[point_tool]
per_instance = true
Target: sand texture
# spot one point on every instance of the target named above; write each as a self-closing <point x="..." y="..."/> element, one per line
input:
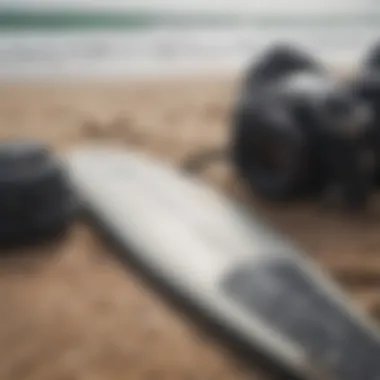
<point x="71" y="312"/>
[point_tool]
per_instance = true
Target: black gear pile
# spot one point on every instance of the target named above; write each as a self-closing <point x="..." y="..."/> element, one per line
<point x="298" y="131"/>
<point x="36" y="203"/>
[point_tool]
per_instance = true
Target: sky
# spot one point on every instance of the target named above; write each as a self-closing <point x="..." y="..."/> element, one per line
<point x="281" y="6"/>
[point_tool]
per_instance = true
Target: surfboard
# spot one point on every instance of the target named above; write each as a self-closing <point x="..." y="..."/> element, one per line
<point x="229" y="265"/>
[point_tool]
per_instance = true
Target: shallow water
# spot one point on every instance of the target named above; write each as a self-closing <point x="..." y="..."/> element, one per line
<point x="167" y="38"/>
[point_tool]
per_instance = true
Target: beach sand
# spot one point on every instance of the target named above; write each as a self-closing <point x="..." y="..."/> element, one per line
<point x="69" y="311"/>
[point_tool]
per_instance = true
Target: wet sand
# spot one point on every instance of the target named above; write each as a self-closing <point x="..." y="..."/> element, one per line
<point x="69" y="311"/>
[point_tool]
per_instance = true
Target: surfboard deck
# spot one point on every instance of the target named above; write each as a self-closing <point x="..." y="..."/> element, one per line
<point x="227" y="264"/>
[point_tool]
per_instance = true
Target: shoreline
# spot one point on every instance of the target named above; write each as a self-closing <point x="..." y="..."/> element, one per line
<point x="143" y="70"/>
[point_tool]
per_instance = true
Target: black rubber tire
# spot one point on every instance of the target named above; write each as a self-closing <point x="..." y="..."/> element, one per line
<point x="36" y="201"/>
<point x="253" y="130"/>
<point x="277" y="62"/>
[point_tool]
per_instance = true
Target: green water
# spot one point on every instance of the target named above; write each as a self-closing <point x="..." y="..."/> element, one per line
<point x="133" y="20"/>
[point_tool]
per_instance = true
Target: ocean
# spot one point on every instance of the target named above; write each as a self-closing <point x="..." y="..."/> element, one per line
<point x="100" y="40"/>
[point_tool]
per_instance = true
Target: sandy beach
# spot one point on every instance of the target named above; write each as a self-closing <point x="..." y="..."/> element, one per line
<point x="71" y="312"/>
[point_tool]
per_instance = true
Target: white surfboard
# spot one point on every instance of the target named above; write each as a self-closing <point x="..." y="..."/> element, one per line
<point x="228" y="265"/>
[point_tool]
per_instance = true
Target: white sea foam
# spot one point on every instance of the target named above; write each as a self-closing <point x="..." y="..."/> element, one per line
<point x="161" y="51"/>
